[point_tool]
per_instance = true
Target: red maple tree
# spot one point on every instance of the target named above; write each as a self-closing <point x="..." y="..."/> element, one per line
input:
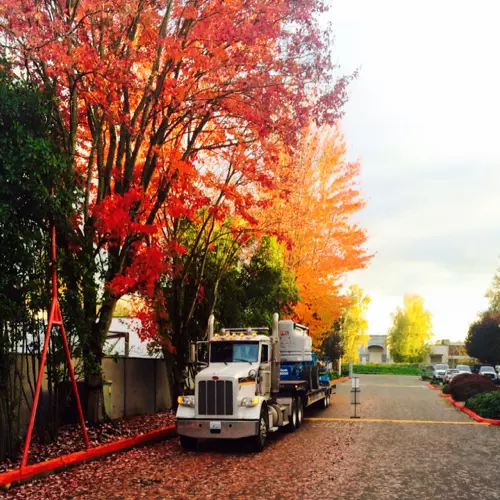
<point x="154" y="100"/>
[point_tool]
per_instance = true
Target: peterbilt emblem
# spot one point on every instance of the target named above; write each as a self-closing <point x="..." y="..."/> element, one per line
<point x="215" y="377"/>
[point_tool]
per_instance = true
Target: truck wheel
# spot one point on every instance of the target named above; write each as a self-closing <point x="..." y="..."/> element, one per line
<point x="325" y="402"/>
<point x="188" y="443"/>
<point x="259" y="441"/>
<point x="300" y="412"/>
<point x="293" y="418"/>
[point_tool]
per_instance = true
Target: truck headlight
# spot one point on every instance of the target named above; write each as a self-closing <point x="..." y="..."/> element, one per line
<point x="249" y="402"/>
<point x="186" y="401"/>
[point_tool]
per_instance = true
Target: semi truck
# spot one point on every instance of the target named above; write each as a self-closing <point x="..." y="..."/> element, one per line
<point x="255" y="382"/>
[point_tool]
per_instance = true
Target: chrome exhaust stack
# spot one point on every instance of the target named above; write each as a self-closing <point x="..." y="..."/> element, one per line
<point x="275" y="359"/>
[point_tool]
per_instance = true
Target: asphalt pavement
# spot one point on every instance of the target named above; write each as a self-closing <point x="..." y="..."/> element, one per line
<point x="408" y="444"/>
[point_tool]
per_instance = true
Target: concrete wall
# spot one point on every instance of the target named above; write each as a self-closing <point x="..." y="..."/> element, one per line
<point x="138" y="386"/>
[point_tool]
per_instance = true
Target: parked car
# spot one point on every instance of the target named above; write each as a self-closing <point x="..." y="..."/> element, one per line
<point x="477" y="367"/>
<point x="488" y="371"/>
<point x="464" y="369"/>
<point x="450" y="373"/>
<point x="436" y="372"/>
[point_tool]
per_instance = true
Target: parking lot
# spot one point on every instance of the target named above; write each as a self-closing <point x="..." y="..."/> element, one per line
<point x="409" y="444"/>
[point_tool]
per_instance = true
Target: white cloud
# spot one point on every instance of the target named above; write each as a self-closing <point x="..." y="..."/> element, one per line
<point x="423" y="118"/>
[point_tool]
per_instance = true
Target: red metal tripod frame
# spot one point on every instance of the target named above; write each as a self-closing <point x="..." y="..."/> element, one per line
<point x="55" y="319"/>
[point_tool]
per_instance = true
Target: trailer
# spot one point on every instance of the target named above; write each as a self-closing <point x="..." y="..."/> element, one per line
<point x="256" y="381"/>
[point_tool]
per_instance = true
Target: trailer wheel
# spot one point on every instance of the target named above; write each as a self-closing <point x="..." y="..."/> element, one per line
<point x="293" y="418"/>
<point x="188" y="443"/>
<point x="325" y="402"/>
<point x="300" y="412"/>
<point x="259" y="441"/>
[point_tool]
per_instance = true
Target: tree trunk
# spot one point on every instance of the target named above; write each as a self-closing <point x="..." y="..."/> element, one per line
<point x="93" y="362"/>
<point x="174" y="375"/>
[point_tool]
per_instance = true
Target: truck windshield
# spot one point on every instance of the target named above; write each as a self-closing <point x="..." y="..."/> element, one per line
<point x="233" y="352"/>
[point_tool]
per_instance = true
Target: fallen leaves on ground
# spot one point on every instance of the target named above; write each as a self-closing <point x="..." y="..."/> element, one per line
<point x="70" y="438"/>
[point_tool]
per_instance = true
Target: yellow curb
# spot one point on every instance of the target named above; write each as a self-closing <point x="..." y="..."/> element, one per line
<point x="395" y="385"/>
<point x="392" y="421"/>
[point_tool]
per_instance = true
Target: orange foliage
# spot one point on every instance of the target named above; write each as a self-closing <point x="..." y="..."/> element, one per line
<point x="317" y="218"/>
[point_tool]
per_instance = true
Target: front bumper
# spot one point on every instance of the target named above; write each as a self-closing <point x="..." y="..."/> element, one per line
<point x="230" y="429"/>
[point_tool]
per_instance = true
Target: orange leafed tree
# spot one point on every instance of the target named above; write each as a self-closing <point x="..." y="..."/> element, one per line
<point x="154" y="102"/>
<point x="317" y="218"/>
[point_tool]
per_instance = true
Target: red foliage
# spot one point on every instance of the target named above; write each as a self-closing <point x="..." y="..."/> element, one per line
<point x="168" y="107"/>
<point x="464" y="386"/>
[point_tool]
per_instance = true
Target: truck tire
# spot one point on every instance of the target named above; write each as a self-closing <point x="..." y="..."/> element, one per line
<point x="293" y="418"/>
<point x="258" y="442"/>
<point x="325" y="402"/>
<point x="188" y="443"/>
<point x="300" y="412"/>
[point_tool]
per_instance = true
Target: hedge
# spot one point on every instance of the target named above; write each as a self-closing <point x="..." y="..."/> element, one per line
<point x="486" y="404"/>
<point x="466" y="386"/>
<point x="383" y="369"/>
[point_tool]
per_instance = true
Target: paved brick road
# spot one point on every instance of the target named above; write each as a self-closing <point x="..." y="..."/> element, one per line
<point x="448" y="457"/>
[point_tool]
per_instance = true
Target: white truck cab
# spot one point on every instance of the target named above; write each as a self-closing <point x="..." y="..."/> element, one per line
<point x="239" y="394"/>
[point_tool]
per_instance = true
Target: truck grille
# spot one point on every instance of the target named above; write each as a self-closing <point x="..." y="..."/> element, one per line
<point x="215" y="397"/>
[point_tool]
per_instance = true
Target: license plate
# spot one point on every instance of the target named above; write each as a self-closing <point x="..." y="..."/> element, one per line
<point x="215" y="426"/>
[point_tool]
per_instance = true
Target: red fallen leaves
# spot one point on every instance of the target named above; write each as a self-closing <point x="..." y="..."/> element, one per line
<point x="70" y="437"/>
<point x="215" y="471"/>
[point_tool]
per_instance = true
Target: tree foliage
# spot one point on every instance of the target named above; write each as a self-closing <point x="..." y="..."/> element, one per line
<point x="411" y="330"/>
<point x="355" y="323"/>
<point x="493" y="294"/>
<point x="31" y="165"/>
<point x="483" y="338"/>
<point x="261" y="287"/>
<point x="316" y="217"/>
<point x="332" y="345"/>
<point x="169" y="109"/>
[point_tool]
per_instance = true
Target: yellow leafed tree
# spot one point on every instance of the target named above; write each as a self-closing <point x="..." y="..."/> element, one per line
<point x="411" y="330"/>
<point x="355" y="324"/>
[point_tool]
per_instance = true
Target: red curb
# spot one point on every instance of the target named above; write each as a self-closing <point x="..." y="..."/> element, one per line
<point x="341" y="379"/>
<point x="430" y="386"/>
<point x="469" y="412"/>
<point x="50" y="466"/>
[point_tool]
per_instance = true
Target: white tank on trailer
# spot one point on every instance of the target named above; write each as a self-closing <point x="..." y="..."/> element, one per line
<point x="295" y="343"/>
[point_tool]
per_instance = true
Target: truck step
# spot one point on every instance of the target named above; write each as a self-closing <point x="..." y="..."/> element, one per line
<point x="273" y="429"/>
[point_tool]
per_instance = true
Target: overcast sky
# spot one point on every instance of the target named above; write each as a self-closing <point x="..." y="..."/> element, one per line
<point x="424" y="120"/>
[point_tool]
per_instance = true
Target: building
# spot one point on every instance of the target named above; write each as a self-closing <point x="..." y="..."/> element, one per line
<point x="451" y="353"/>
<point x="123" y="340"/>
<point x="375" y="351"/>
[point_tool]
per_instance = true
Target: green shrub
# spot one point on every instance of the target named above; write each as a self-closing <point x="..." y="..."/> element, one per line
<point x="383" y="369"/>
<point x="445" y="389"/>
<point x="486" y="404"/>
<point x="466" y="386"/>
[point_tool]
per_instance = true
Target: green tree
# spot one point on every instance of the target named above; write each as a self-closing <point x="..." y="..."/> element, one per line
<point x="252" y="292"/>
<point x="333" y="345"/>
<point x="493" y="293"/>
<point x="483" y="338"/>
<point x="355" y="324"/>
<point x="31" y="164"/>
<point x="411" y="330"/>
